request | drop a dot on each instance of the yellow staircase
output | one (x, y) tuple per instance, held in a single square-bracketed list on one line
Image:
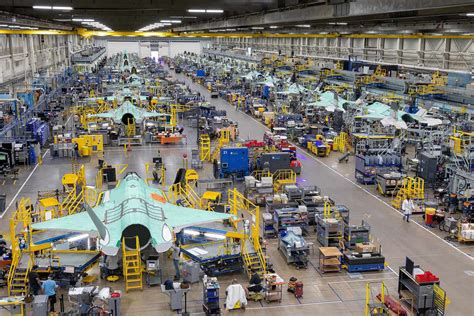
[(130, 129), (205, 147), (74, 185), (282, 178), (254, 261), (224, 139), (132, 266), (18, 277), (411, 187)]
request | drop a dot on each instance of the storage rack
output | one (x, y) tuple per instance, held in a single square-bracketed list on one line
[(356, 234), (421, 295), (268, 227), (388, 182), (329, 259), (329, 231), (210, 304), (291, 217)]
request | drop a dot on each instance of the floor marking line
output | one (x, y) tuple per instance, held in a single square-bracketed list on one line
[(21, 188), (368, 192), (352, 182)]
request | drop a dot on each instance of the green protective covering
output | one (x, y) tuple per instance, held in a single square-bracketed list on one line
[(139, 114), (132, 203), (328, 102)]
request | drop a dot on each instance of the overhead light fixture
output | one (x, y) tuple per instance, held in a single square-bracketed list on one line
[(42, 7), (191, 232), (214, 236), (470, 14), (303, 25), (215, 11), (230, 30), (170, 21), (3, 25), (63, 8), (48, 7), (183, 17), (78, 237), (337, 23), (205, 11), (257, 28), (273, 26), (83, 20), (196, 11)]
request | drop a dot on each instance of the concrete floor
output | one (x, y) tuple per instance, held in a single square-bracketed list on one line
[(341, 294)]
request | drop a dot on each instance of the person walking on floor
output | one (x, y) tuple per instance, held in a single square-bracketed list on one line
[(407, 208), (49, 289)]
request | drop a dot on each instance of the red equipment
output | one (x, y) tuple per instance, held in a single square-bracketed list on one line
[(394, 305), (299, 289)]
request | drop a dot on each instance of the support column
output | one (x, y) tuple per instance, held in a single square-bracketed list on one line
[(447, 49)]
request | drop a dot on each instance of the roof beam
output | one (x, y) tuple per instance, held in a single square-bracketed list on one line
[(358, 8)]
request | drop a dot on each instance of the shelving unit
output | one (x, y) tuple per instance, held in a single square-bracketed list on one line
[(329, 259), (420, 295), (291, 217), (329, 231), (273, 287), (210, 303)]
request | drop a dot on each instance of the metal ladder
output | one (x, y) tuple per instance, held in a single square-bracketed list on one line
[(132, 266)]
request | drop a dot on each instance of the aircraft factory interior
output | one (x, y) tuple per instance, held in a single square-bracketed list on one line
[(239, 157)]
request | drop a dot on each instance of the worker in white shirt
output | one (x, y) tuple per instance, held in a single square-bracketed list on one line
[(407, 208)]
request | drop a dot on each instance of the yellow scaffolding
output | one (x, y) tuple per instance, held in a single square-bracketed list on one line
[(283, 177), (254, 259), (204, 147)]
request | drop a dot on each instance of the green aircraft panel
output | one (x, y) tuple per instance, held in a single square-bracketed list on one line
[(132, 209)]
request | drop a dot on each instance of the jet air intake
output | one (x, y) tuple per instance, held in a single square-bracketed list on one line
[(144, 236)]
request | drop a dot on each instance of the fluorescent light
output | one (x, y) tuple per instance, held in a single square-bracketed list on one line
[(42, 7), (258, 28), (183, 17), (166, 24), (191, 232), (470, 14), (230, 30), (170, 21), (175, 21), (303, 25), (3, 25), (337, 23), (62, 8), (78, 237), (214, 236), (83, 20), (215, 11), (196, 11), (273, 26)]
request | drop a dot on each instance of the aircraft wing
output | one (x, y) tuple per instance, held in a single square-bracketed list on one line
[(103, 115), (152, 114), (80, 222), (178, 217)]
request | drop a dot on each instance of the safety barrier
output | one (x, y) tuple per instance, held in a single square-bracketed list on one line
[(283, 177)]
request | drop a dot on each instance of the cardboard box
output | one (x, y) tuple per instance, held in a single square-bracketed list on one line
[(365, 247)]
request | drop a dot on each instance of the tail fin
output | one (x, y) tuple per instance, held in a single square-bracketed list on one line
[(97, 222)]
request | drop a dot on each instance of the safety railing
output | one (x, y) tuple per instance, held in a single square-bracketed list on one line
[(205, 148), (283, 177), (259, 174)]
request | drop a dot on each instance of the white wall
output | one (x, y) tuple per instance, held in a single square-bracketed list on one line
[(120, 47), (172, 49)]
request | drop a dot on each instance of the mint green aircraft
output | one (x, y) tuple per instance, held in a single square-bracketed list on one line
[(127, 113), (132, 209)]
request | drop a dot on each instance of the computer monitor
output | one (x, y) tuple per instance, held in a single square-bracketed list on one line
[(409, 265), (68, 269)]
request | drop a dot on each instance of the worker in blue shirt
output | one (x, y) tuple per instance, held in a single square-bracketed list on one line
[(49, 289)]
